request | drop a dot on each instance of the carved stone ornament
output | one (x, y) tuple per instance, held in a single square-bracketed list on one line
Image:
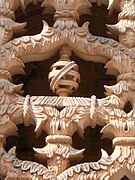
[(66, 37)]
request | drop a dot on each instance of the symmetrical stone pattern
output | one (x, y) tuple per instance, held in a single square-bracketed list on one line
[(77, 113)]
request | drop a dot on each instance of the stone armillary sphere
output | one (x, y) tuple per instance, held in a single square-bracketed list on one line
[(77, 113)]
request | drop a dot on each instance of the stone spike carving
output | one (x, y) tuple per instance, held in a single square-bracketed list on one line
[(126, 26), (113, 4), (47, 43), (43, 45), (77, 113), (7, 25)]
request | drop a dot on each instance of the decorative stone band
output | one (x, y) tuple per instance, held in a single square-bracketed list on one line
[(124, 141), (59, 139), (56, 101)]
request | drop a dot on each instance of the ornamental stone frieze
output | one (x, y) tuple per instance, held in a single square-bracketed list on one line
[(62, 115)]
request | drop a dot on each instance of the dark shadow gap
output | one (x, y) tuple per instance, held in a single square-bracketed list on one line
[(91, 142), (125, 178), (128, 107), (25, 142)]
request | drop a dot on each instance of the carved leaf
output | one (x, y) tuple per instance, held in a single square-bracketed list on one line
[(117, 89)]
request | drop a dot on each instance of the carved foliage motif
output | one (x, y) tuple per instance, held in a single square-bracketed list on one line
[(77, 112)]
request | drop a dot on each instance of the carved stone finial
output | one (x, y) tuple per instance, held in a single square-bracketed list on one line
[(64, 77)]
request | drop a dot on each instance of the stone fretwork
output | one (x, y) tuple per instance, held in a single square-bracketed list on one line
[(61, 116)]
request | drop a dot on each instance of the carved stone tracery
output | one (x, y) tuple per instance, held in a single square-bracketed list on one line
[(77, 113)]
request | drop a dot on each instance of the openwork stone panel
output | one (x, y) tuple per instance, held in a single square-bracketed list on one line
[(61, 116)]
